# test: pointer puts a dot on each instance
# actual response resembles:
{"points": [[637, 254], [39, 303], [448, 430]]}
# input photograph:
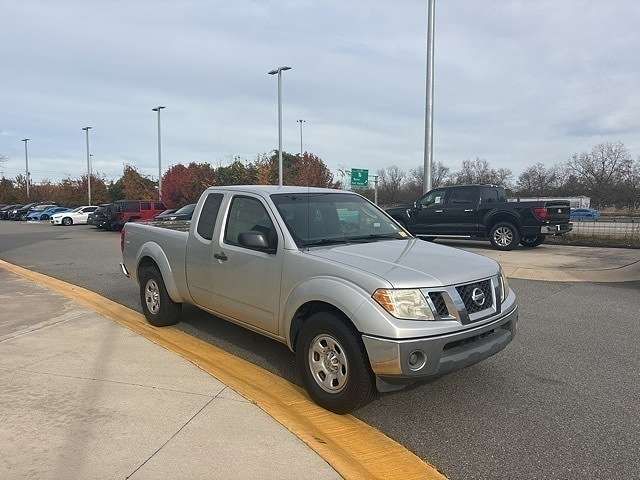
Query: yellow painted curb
{"points": [[353, 448]]}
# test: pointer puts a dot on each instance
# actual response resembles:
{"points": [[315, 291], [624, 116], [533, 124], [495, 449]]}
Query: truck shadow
{"points": [[257, 349]]}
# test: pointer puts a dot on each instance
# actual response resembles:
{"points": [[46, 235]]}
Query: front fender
{"points": [[155, 252], [335, 291]]}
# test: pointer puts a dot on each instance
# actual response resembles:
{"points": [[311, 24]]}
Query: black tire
{"points": [[504, 236], [531, 242], [359, 387], [66, 221], [168, 311]]}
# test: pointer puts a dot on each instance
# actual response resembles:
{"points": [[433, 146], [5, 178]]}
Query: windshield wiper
{"points": [[375, 236], [325, 241]]}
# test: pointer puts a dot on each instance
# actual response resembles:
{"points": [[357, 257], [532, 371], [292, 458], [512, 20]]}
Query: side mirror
{"points": [[254, 240]]}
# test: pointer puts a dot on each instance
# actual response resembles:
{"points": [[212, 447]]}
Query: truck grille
{"points": [[439, 303], [466, 293]]}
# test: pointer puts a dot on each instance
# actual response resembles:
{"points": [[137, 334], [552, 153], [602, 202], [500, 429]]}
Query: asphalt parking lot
{"points": [[560, 402]]}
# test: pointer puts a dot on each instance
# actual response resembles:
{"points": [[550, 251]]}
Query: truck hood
{"points": [[412, 263]]}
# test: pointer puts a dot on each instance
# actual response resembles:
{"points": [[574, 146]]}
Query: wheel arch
{"points": [[151, 254], [320, 295], [502, 216]]}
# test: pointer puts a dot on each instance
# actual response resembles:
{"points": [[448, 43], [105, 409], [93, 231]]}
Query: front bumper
{"points": [[390, 359]]}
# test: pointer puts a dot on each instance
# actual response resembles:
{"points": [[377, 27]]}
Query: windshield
{"points": [[326, 218], [186, 209]]}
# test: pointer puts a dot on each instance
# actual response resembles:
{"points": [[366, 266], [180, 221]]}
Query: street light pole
{"points": [[86, 131], [301, 122], [428, 120], [278, 71], [26, 163], [157, 109], [375, 189]]}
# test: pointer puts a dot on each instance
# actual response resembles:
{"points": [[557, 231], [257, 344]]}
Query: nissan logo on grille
{"points": [[478, 297]]}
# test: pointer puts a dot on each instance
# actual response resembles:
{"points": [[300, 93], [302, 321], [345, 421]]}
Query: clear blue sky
{"points": [[516, 81]]}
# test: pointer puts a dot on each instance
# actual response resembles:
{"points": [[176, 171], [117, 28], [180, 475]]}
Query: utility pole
{"points": [[26, 163], [428, 120], [301, 149], [278, 71], [86, 131], [375, 189], [157, 109]]}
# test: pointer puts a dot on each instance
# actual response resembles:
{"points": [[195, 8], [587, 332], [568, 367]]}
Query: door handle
{"points": [[439, 211], [468, 209], [221, 256]]}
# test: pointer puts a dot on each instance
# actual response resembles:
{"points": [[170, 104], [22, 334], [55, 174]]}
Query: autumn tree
{"points": [[308, 170], [538, 180], [182, 184], [137, 186]]}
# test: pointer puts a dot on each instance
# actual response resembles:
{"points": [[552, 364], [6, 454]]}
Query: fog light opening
{"points": [[417, 360]]}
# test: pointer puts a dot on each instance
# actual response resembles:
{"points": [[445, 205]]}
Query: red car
{"points": [[124, 211]]}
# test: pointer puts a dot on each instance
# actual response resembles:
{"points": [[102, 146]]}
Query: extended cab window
{"points": [[248, 214], [208, 215], [489, 195], [463, 196], [435, 198]]}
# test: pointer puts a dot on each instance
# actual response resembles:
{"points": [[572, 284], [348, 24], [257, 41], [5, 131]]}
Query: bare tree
{"points": [[538, 180], [478, 171], [390, 183], [601, 170]]}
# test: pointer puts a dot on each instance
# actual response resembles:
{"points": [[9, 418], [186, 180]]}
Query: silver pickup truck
{"points": [[364, 305]]}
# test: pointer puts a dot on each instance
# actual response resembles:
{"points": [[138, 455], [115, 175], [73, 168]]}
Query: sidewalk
{"points": [[83, 397]]}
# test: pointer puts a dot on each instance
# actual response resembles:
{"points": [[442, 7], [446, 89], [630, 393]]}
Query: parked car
{"points": [[124, 211], [77, 216], [22, 213], [183, 213], [361, 301], [6, 211], [16, 213], [44, 213], [483, 212], [100, 215], [35, 211], [581, 214]]}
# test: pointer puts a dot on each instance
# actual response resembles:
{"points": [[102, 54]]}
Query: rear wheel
{"points": [[157, 306], [66, 221], [504, 236], [333, 363], [533, 241]]}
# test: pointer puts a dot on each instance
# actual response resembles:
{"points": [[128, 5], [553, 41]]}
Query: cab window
{"points": [[432, 199], [247, 214], [208, 215], [466, 196]]}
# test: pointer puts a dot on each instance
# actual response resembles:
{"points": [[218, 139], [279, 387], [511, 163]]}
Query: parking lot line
{"points": [[353, 448]]}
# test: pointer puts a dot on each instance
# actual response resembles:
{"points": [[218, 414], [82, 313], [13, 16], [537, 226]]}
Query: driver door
{"points": [[429, 214], [247, 286]]}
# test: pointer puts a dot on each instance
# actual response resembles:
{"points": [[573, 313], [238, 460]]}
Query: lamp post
{"points": [[301, 122], [428, 117], [86, 131], [26, 163], [278, 71], [157, 109]]}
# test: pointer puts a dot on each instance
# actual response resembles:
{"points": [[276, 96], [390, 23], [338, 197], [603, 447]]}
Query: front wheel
{"points": [[66, 221], [533, 241], [333, 363], [504, 236], [157, 306]]}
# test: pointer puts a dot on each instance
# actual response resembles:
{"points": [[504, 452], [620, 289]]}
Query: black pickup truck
{"points": [[483, 212]]}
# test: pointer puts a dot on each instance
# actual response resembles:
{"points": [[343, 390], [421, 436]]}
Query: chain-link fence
{"points": [[606, 231]]}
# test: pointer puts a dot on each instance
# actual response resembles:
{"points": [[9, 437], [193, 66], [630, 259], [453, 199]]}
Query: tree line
{"points": [[607, 173], [181, 184]]}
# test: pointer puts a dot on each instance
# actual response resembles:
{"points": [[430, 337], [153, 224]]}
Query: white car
{"points": [[77, 216]]}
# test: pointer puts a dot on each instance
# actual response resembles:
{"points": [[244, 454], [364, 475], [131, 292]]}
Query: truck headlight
{"points": [[406, 304], [504, 286]]}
